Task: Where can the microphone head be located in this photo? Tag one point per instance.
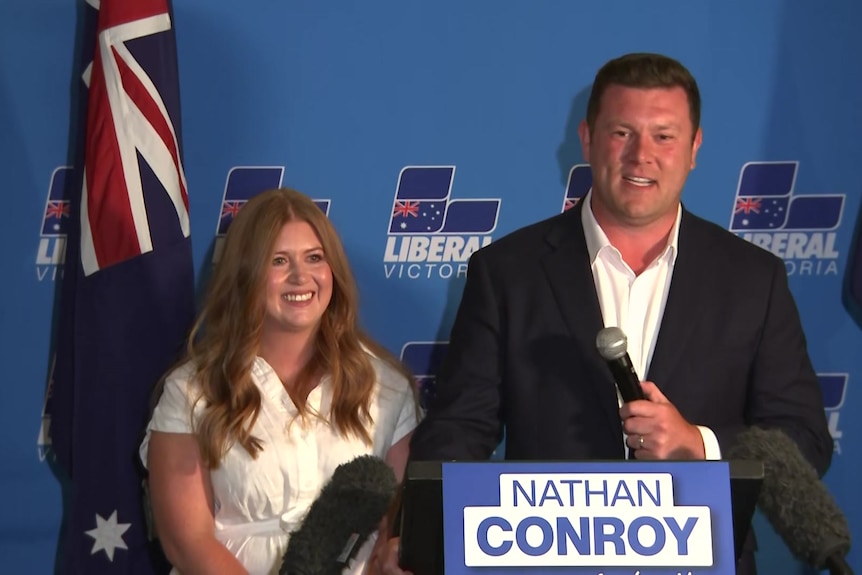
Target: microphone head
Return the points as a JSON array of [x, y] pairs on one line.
[[347, 511], [611, 343], [793, 498]]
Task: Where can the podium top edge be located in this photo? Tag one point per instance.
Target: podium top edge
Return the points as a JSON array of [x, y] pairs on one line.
[[433, 470]]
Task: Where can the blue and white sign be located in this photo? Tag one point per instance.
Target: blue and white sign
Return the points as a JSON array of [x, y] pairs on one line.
[[612, 518]]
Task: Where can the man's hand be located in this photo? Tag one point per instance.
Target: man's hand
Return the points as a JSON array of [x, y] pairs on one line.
[[656, 430]]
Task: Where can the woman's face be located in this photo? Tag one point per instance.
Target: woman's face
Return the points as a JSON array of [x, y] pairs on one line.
[[298, 281]]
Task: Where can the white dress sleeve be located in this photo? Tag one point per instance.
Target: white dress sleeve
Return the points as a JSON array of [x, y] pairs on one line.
[[172, 413], [397, 402], [408, 417]]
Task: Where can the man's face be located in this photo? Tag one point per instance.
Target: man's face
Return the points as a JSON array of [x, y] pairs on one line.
[[641, 151]]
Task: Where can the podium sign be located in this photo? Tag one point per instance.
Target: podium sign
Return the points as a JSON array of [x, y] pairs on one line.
[[596, 518]]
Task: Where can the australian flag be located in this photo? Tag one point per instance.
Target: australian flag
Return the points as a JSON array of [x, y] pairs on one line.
[[765, 201], [245, 182], [834, 389], [423, 359], [580, 182], [422, 205], [127, 297], [57, 209]]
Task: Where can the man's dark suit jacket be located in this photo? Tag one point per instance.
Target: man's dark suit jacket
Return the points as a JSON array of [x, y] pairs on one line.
[[730, 351]]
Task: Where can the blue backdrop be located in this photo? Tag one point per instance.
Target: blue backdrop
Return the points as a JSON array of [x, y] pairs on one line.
[[344, 100]]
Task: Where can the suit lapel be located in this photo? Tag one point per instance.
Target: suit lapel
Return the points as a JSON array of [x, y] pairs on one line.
[[687, 289], [567, 268]]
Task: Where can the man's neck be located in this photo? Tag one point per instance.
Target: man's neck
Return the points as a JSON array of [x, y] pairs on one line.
[[638, 245]]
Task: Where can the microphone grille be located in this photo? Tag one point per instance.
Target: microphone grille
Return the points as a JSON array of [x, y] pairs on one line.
[[793, 498], [611, 343], [365, 472]]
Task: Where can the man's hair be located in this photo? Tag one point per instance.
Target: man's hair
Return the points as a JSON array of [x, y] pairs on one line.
[[641, 70]]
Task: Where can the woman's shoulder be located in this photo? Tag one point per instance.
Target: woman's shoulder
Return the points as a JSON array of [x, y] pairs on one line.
[[183, 371], [183, 375], [388, 376], [179, 393], [180, 382]]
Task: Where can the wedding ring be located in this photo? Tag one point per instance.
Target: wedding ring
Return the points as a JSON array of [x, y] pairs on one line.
[[641, 442]]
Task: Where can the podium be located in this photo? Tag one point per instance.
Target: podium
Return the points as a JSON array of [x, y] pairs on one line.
[[609, 518]]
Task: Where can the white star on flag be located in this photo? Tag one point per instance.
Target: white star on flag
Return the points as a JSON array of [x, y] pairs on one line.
[[108, 535]]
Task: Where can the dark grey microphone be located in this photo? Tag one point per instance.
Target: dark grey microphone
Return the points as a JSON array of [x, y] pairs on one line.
[[795, 502], [612, 345], [347, 511]]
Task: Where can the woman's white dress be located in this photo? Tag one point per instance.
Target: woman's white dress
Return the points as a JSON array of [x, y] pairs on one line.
[[259, 501]]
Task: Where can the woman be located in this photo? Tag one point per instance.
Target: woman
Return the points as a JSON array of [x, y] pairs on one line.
[[278, 388]]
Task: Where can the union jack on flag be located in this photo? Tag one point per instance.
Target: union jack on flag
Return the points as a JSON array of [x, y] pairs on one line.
[[127, 117], [748, 205], [580, 182], [243, 183], [231, 209], [58, 208], [127, 293], [56, 212], [405, 209]]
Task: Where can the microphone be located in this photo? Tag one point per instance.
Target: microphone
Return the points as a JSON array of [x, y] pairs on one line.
[[347, 511], [612, 343], [795, 501]]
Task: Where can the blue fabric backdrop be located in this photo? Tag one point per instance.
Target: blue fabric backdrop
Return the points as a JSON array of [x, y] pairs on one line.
[[343, 100]]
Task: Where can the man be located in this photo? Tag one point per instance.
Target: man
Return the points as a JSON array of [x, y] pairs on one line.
[[711, 324]]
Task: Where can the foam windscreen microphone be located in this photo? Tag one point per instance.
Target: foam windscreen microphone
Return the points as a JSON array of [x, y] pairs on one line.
[[794, 500], [347, 511]]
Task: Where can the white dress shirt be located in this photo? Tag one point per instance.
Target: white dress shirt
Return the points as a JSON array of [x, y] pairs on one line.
[[635, 303]]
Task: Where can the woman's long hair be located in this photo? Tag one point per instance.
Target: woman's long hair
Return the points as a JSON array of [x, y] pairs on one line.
[[226, 337]]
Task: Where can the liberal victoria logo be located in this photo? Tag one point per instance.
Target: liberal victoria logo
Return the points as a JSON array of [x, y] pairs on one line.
[[244, 182], [580, 182], [423, 359], [834, 387], [800, 229], [55, 222], [431, 235]]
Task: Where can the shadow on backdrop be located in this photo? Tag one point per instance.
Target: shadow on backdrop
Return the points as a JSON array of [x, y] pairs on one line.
[[82, 54], [851, 293], [15, 157], [569, 152], [796, 98]]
